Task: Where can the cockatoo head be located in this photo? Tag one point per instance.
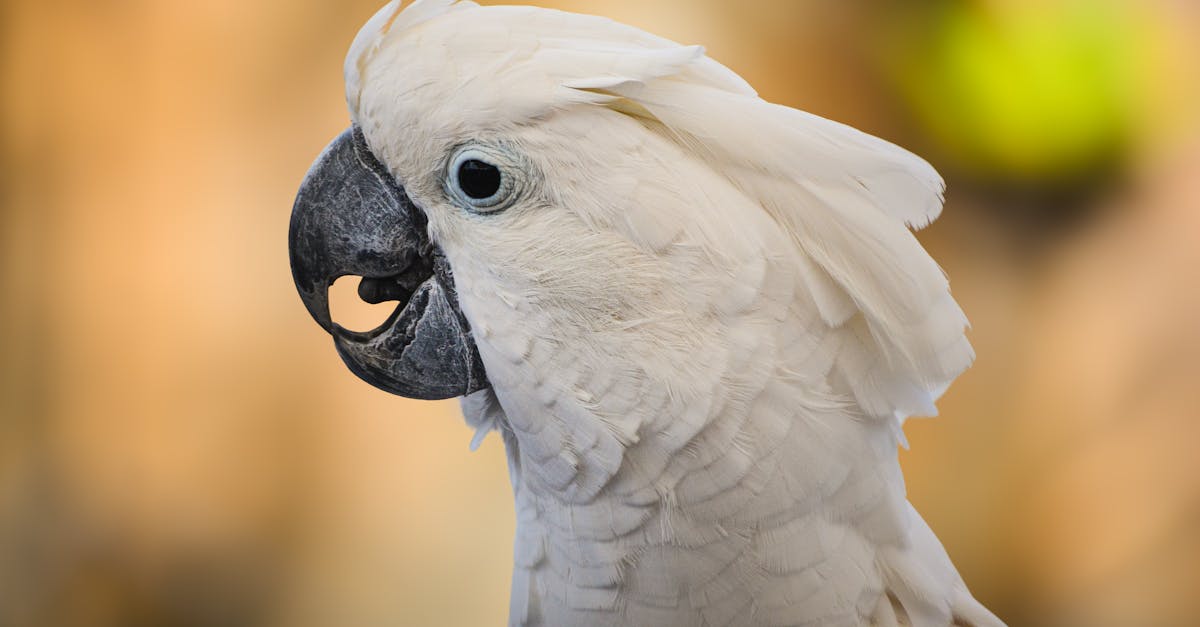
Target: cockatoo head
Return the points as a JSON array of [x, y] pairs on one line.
[[526, 180], [478, 177]]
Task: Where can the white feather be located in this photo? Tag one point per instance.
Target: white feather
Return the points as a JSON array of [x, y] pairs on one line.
[[685, 321]]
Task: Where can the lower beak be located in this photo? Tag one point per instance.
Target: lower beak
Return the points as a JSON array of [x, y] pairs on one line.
[[351, 217]]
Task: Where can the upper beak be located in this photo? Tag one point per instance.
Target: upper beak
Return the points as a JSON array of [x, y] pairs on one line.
[[351, 217]]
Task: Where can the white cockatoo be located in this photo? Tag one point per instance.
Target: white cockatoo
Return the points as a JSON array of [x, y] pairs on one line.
[[697, 319]]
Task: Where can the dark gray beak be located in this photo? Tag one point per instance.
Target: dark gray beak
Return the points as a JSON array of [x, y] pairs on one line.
[[351, 217]]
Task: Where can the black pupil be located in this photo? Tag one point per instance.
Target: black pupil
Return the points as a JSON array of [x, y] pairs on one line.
[[478, 180]]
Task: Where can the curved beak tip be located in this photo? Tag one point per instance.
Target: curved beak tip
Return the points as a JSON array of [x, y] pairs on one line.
[[317, 304]]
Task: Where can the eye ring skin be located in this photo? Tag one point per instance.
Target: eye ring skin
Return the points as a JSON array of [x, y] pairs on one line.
[[514, 173]]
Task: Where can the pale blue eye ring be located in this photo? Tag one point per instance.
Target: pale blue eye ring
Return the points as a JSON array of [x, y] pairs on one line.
[[483, 179]]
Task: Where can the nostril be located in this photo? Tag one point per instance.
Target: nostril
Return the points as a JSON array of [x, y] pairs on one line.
[[353, 310]]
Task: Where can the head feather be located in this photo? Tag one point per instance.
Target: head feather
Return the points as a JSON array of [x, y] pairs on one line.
[[845, 199]]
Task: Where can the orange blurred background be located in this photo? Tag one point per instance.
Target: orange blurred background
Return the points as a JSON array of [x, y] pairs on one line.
[[179, 444]]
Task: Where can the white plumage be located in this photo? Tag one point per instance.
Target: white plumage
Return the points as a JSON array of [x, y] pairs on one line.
[[704, 320]]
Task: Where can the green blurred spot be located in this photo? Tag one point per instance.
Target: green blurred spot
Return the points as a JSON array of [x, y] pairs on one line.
[[1036, 92]]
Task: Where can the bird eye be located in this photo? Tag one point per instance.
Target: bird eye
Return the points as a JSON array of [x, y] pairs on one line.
[[478, 180], [483, 179]]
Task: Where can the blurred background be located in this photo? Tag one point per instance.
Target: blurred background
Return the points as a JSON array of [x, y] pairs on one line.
[[179, 444]]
